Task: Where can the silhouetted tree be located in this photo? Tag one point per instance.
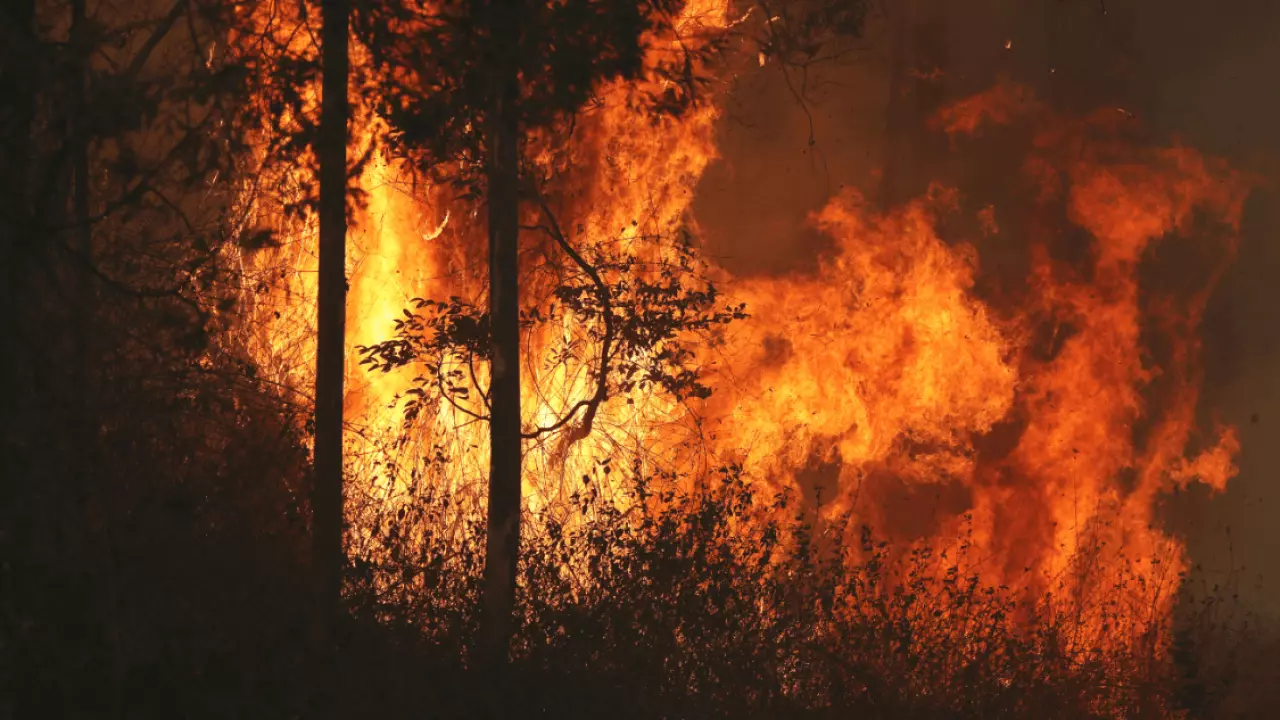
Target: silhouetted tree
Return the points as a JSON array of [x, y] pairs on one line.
[[331, 149], [481, 77], [502, 171], [494, 74], [148, 479]]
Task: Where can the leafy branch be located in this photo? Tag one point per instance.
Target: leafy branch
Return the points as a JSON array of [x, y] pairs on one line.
[[640, 315]]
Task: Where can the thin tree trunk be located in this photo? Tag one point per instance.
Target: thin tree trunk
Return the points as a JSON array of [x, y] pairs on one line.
[[16, 116], [502, 168], [331, 147], [84, 404], [18, 35], [79, 280]]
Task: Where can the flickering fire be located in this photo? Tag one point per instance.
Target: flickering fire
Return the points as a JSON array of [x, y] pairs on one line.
[[930, 414], [882, 387]]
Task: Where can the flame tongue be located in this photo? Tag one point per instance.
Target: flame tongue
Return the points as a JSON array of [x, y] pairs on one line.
[[932, 415], [882, 386], [884, 345]]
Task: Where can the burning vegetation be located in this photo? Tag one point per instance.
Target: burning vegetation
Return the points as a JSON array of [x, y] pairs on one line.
[[576, 464]]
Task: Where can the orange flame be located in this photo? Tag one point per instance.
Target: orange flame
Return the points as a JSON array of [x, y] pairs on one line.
[[882, 387]]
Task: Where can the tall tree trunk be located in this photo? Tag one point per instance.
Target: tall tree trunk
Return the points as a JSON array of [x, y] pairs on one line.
[[331, 147], [78, 278], [84, 404], [502, 169], [17, 109]]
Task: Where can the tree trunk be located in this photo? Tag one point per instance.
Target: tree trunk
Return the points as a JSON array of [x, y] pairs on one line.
[[80, 286], [331, 147], [84, 402], [16, 114], [502, 169]]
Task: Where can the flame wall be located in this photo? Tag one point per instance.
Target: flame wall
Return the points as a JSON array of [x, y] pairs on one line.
[[1043, 406], [1170, 70]]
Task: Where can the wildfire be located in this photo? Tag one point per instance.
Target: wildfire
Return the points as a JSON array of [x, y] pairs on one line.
[[882, 387]]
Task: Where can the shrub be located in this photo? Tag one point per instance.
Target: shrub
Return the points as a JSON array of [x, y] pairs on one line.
[[715, 602]]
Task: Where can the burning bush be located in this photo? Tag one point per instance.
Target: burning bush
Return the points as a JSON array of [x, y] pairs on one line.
[[719, 602]]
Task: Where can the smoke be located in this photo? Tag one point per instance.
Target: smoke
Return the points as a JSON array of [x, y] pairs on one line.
[[1191, 70]]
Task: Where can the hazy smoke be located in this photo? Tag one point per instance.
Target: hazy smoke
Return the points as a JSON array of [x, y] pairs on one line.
[[1197, 71]]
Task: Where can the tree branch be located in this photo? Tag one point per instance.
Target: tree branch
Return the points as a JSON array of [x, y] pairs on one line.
[[162, 29], [591, 404]]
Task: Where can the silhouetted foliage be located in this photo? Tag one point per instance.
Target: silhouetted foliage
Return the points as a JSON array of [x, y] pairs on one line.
[[643, 322], [150, 526], [717, 602], [436, 64], [154, 523]]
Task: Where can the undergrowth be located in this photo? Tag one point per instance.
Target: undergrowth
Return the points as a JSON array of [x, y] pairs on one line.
[[714, 602]]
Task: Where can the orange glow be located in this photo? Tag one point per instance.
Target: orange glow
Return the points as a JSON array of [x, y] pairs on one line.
[[882, 386]]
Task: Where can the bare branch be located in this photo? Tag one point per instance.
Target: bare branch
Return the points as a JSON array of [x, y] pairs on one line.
[[591, 404]]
